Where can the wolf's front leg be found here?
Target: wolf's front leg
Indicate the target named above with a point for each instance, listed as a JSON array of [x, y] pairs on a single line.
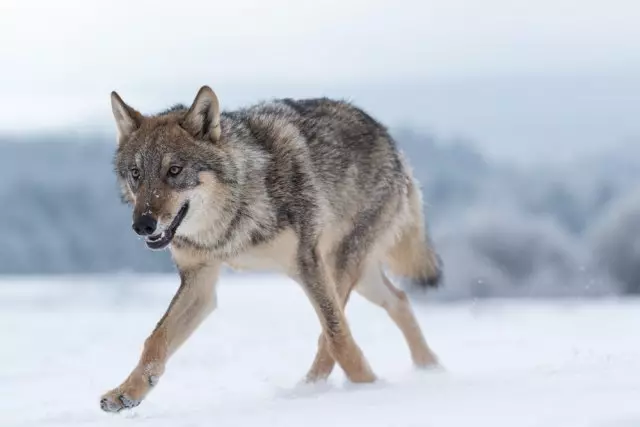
[[195, 299]]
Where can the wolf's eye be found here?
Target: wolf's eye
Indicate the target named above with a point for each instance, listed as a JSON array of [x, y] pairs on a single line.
[[175, 170], [135, 173]]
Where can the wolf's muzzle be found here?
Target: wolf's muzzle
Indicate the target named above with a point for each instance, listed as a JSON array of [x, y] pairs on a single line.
[[162, 240], [145, 225]]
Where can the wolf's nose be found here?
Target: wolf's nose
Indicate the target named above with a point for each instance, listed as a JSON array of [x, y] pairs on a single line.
[[145, 225]]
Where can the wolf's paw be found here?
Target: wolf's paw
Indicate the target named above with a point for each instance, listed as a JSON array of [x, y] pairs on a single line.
[[116, 402], [129, 395], [429, 364], [426, 360]]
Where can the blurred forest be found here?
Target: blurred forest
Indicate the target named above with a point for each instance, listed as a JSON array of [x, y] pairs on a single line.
[[548, 229]]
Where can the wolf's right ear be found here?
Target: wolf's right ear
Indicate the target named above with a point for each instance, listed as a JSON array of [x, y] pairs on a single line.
[[127, 119], [203, 118]]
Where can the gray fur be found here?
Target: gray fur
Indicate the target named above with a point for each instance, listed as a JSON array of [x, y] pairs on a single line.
[[315, 188], [309, 164]]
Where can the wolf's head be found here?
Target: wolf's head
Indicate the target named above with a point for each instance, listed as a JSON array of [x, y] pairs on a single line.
[[170, 166]]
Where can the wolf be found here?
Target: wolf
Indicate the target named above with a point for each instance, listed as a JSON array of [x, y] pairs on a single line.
[[315, 189]]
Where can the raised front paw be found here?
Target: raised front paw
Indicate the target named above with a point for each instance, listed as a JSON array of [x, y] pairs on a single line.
[[114, 401], [130, 394]]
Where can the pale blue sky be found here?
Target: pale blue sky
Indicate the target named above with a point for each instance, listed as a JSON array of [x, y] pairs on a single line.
[[512, 73]]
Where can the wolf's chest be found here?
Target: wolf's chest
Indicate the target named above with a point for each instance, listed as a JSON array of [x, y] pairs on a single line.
[[276, 255]]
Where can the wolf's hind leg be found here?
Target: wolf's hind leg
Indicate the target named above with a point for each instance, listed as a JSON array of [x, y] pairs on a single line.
[[377, 288], [192, 303]]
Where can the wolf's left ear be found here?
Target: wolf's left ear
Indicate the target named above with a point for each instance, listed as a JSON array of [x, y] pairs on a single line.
[[203, 118], [127, 119]]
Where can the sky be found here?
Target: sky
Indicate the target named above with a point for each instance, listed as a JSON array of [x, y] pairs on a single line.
[[515, 75]]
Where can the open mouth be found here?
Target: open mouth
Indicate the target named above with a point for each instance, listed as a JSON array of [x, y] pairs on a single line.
[[162, 240]]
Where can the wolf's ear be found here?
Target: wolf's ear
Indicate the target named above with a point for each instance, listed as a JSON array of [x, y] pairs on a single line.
[[127, 119], [203, 118]]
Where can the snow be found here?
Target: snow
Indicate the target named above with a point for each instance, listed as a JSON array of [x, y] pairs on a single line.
[[508, 363]]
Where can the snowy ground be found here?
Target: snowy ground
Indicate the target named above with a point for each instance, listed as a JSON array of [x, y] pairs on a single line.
[[510, 363]]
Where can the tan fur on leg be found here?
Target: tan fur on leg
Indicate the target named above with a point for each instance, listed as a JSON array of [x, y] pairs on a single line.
[[192, 303], [342, 347], [324, 363], [378, 289]]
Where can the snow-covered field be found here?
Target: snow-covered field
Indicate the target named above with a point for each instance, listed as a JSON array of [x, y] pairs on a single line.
[[508, 363]]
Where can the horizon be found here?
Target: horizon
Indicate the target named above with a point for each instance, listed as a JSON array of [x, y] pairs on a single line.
[[521, 79]]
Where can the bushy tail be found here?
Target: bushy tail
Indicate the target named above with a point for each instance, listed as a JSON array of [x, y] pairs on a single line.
[[413, 255]]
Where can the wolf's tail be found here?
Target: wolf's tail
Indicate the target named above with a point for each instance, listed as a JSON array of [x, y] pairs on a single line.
[[413, 255]]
